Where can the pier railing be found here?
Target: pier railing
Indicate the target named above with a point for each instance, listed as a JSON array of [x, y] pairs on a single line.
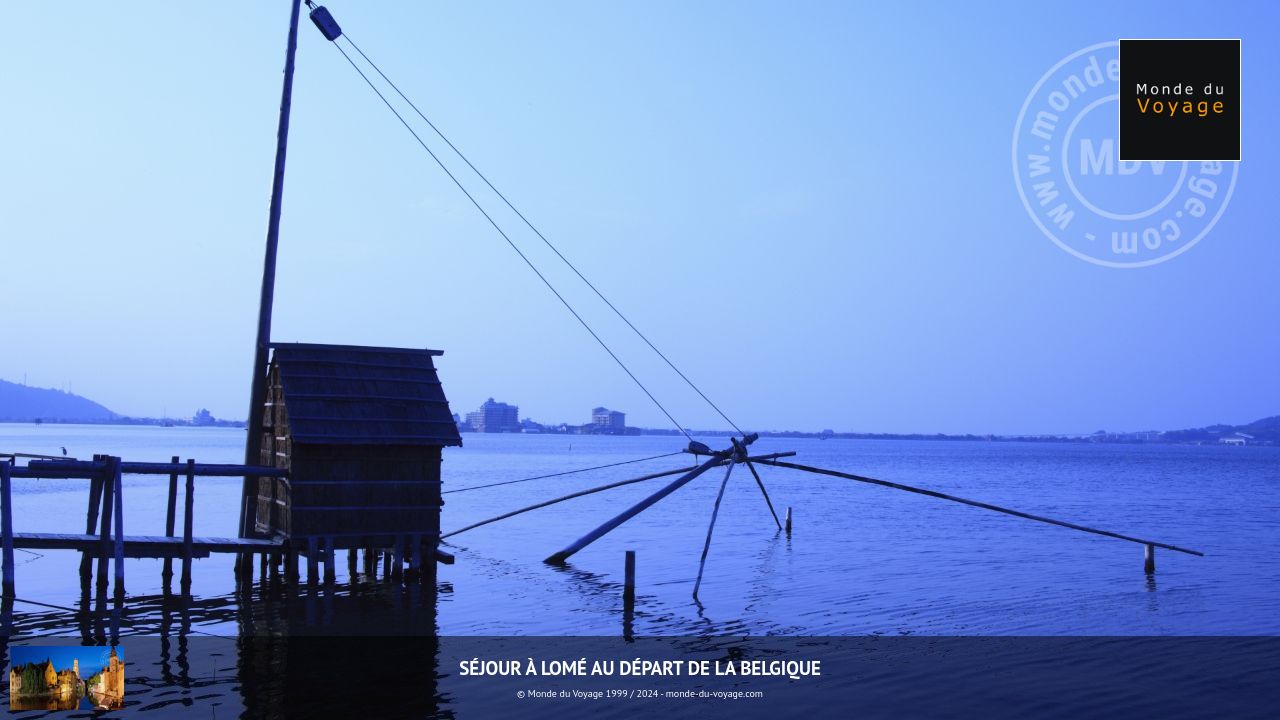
[[104, 536]]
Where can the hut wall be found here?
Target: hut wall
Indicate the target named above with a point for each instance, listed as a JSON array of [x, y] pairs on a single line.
[[365, 490]]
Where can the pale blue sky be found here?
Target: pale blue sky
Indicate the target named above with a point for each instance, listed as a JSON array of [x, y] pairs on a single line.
[[808, 205]]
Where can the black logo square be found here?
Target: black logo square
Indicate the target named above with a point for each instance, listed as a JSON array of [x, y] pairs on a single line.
[[1179, 99]]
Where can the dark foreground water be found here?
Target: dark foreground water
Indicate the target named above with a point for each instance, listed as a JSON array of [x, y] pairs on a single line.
[[864, 565]]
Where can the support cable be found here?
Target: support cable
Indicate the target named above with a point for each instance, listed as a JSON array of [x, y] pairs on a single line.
[[510, 242], [538, 232]]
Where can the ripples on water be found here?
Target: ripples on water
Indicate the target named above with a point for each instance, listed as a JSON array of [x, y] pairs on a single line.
[[862, 559]]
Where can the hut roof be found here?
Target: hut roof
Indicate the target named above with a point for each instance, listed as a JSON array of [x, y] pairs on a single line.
[[356, 395]]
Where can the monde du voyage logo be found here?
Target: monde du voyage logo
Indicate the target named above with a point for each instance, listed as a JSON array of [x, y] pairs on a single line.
[[1128, 164]]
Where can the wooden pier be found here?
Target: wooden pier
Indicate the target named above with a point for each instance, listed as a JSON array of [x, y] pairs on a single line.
[[104, 538]]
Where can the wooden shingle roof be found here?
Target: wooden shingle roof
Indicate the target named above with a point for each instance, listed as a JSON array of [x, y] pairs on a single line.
[[356, 395]]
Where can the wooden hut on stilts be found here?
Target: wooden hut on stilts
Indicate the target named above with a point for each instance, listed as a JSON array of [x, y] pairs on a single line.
[[360, 431]]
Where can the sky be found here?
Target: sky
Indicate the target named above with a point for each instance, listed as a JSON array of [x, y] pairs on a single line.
[[809, 207]]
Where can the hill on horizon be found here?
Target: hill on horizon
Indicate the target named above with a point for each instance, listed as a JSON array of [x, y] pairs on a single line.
[[22, 403]]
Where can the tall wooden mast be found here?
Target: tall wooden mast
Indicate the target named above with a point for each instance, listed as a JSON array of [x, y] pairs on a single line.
[[262, 344]]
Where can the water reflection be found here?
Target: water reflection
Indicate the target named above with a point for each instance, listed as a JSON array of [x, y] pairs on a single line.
[[269, 649]]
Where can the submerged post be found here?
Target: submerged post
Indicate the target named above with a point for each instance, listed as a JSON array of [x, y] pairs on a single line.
[[262, 344], [313, 573], [788, 521], [117, 485], [1149, 559], [171, 518], [6, 527], [330, 559], [188, 522], [629, 583], [91, 520], [104, 535]]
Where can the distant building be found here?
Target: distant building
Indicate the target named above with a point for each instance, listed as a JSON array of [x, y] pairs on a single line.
[[495, 417], [607, 422]]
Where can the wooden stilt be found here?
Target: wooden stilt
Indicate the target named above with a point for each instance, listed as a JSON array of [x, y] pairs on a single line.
[[104, 533], [313, 574], [6, 528], [369, 561], [415, 559], [118, 484], [351, 564], [788, 522], [1149, 559], [397, 559], [188, 523], [262, 566], [291, 566], [170, 519], [91, 520], [386, 564], [715, 511], [330, 560], [629, 583]]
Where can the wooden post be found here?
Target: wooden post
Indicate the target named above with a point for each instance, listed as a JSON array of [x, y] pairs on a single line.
[[188, 522], [369, 561], [715, 511], [6, 527], [397, 559], [104, 525], [563, 555], [629, 583], [386, 565], [291, 566], [118, 484], [788, 521], [760, 484], [262, 348], [91, 520], [171, 518], [330, 559], [262, 566], [415, 558], [351, 564], [313, 573], [1149, 560]]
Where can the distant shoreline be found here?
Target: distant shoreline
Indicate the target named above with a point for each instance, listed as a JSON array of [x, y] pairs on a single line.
[[1213, 435]]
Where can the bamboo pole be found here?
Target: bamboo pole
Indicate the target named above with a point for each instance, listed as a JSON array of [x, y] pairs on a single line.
[[590, 491], [634, 510], [261, 347], [715, 511], [570, 496], [764, 492], [975, 503]]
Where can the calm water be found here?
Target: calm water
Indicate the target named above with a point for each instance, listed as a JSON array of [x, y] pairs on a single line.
[[862, 560]]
